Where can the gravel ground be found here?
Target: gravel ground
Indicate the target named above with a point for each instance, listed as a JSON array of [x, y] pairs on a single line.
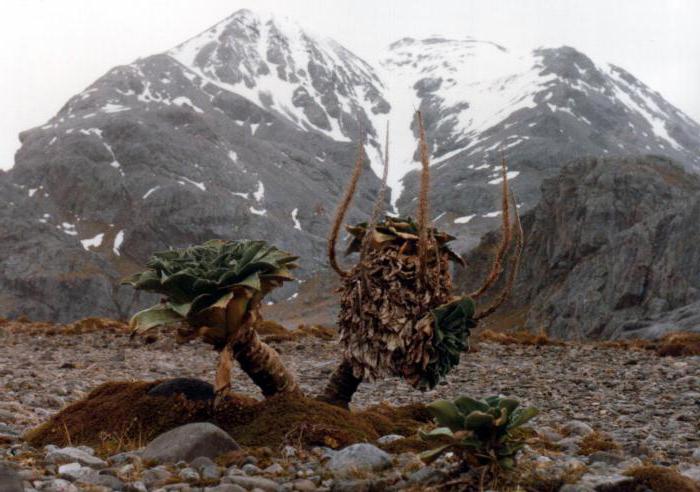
[[650, 405]]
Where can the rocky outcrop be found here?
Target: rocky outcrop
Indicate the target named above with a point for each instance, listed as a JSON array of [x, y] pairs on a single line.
[[611, 252]]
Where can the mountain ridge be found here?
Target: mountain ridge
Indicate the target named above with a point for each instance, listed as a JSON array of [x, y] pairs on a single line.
[[251, 128]]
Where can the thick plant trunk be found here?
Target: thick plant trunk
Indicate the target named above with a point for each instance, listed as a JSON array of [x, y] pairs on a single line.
[[341, 387], [262, 364]]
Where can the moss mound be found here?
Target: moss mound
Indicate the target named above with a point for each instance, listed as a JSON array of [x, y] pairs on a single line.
[[122, 415], [118, 414]]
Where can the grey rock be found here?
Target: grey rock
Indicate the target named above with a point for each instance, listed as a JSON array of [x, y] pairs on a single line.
[[250, 469], [10, 481], [189, 442], [359, 457], [606, 457], [303, 485], [389, 438], [427, 475], [110, 481], [225, 487], [58, 485], [77, 473], [578, 428], [274, 469], [201, 462], [692, 472], [210, 472], [70, 454], [256, 482], [188, 474], [155, 475], [696, 454], [125, 457]]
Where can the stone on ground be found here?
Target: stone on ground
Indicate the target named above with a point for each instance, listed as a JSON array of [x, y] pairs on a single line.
[[187, 442]]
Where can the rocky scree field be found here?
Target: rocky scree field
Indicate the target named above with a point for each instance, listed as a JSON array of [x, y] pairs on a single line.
[[613, 416]]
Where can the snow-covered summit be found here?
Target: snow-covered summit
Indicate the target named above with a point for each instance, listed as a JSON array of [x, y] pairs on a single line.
[[273, 62]]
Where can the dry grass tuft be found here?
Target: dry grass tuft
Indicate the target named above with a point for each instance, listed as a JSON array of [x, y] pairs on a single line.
[[597, 441], [658, 479], [520, 337], [87, 325], [675, 344], [283, 335], [678, 344]]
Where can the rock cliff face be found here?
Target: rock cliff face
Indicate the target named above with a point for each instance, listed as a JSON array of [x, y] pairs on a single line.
[[611, 252]]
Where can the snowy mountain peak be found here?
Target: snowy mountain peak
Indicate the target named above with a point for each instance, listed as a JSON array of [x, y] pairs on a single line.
[[308, 79]]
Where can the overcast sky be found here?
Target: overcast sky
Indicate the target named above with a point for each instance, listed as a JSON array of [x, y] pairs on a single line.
[[53, 49]]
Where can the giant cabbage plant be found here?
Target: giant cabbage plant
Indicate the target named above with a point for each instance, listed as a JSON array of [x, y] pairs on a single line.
[[398, 316], [215, 291]]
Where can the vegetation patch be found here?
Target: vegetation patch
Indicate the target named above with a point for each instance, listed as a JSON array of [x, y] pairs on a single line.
[[118, 416], [658, 479], [675, 344], [597, 441], [519, 337]]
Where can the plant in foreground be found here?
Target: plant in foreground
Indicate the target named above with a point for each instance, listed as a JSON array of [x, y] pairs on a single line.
[[397, 314], [484, 430], [215, 289]]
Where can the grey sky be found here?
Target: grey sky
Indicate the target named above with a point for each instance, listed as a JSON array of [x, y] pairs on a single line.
[[52, 49]]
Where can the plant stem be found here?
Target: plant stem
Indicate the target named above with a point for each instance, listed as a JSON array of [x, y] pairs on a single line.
[[341, 386]]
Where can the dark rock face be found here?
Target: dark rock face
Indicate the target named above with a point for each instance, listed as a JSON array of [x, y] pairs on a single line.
[[611, 251]]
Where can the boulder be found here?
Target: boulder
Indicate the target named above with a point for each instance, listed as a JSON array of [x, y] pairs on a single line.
[[187, 442], [190, 388], [359, 457]]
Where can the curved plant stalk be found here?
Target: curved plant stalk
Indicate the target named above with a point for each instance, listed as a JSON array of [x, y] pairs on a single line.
[[513, 267], [342, 210], [423, 198], [506, 234], [381, 195]]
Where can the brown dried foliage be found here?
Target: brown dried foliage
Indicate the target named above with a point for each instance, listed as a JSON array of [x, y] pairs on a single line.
[[597, 441], [379, 312]]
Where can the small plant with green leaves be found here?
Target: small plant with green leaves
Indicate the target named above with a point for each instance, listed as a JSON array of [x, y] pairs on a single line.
[[215, 291], [487, 431]]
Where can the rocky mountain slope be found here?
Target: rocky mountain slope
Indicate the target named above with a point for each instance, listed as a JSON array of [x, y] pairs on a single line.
[[250, 129], [247, 130], [610, 252], [540, 109]]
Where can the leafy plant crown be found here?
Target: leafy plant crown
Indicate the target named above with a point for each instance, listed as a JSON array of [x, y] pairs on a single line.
[[195, 278], [452, 324], [486, 428], [398, 230]]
